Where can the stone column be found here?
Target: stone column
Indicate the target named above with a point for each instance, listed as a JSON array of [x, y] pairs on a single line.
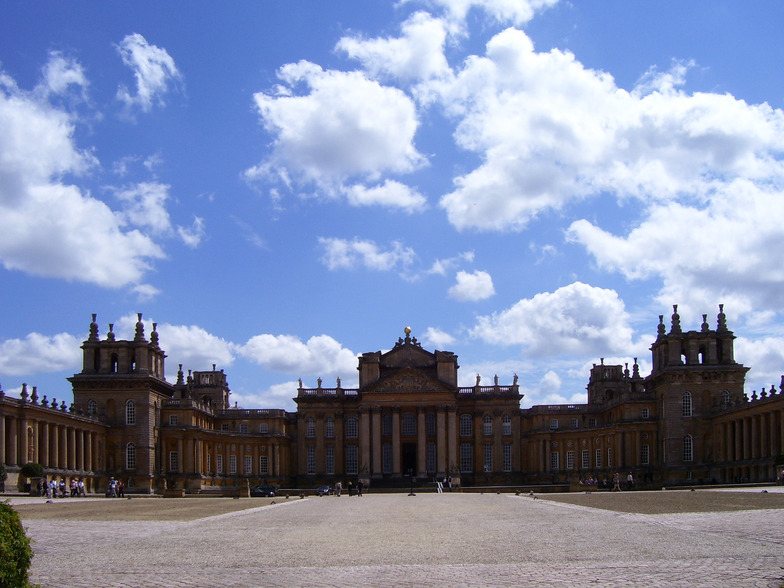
[[80, 450], [179, 457], [746, 438], [13, 435], [376, 428], [54, 450], [452, 440], [23, 442], [364, 443], [43, 444], [738, 440], [276, 458], [72, 448], [396, 441], [63, 447], [754, 438], [3, 456], [421, 444], [88, 451], [441, 440]]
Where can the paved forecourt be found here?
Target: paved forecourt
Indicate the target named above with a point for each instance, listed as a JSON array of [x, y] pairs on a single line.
[[734, 539]]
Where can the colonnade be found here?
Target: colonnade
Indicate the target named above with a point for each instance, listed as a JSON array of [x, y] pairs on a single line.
[[749, 443]]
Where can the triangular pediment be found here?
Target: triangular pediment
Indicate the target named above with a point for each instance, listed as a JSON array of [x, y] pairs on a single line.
[[408, 381], [407, 355]]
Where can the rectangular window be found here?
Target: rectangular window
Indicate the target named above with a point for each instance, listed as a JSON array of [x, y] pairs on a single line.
[[645, 454], [573, 423], [586, 460], [553, 423], [330, 460], [408, 424], [173, 420], [352, 430], [592, 422], [219, 463], [507, 457], [609, 457], [248, 465], [466, 458], [645, 413], [386, 458], [598, 463], [224, 427], [487, 425], [506, 425], [263, 465], [554, 457], [263, 428], [233, 464], [430, 457], [243, 427], [488, 457], [311, 460], [430, 424], [174, 461], [570, 460], [386, 424], [352, 459]]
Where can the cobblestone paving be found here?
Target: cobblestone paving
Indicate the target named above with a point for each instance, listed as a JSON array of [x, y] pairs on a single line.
[[428, 539]]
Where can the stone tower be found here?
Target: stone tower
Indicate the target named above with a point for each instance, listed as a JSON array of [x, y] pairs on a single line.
[[122, 383], [694, 374]]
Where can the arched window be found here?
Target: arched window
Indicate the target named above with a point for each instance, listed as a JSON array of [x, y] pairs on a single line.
[[466, 425], [130, 456], [92, 408], [130, 412], [352, 431], [487, 425], [506, 422], [330, 428], [687, 412], [310, 427], [725, 399], [688, 448]]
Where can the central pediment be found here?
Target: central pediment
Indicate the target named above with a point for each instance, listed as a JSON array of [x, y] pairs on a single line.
[[407, 381]]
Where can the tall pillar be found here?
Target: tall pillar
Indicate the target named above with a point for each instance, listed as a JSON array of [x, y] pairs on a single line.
[[3, 456], [421, 444], [43, 444], [23, 442], [88, 451], [34, 450], [746, 438], [441, 440], [396, 441], [179, 455], [13, 436], [63, 453], [364, 442], [80, 450], [54, 449], [71, 448], [738, 440], [276, 458], [451, 418], [376, 428], [754, 437]]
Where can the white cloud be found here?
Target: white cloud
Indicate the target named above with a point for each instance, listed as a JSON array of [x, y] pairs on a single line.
[[726, 250], [390, 194], [192, 235], [60, 73], [550, 131], [344, 254], [153, 68], [39, 353], [320, 356], [472, 286], [144, 206], [438, 338], [516, 12], [575, 319], [765, 356], [443, 266], [417, 55], [345, 126]]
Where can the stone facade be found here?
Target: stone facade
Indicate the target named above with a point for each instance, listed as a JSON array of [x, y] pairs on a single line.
[[688, 421]]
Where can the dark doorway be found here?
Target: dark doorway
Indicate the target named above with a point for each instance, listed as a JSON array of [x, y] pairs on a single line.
[[409, 462]]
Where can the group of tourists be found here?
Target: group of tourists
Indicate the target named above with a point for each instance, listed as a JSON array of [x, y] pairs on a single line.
[[116, 489], [605, 484], [55, 489]]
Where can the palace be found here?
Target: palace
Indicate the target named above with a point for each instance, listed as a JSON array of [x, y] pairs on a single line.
[[689, 421]]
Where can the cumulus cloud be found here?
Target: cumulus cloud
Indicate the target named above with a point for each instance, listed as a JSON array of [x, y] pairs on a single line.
[[390, 194], [725, 250], [194, 347], [576, 319], [60, 73], [550, 131], [516, 12], [153, 68], [319, 356], [342, 126], [40, 353], [345, 254], [438, 338], [192, 235], [417, 55], [473, 286], [144, 206], [84, 239]]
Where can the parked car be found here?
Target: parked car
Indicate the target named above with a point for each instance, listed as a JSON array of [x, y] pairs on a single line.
[[324, 490], [263, 491]]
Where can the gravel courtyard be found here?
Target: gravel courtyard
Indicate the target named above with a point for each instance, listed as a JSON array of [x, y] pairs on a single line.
[[666, 538]]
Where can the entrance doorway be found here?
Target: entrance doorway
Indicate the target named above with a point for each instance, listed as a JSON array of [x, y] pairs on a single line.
[[408, 459]]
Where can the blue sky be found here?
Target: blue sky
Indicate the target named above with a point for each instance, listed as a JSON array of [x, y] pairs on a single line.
[[282, 186]]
